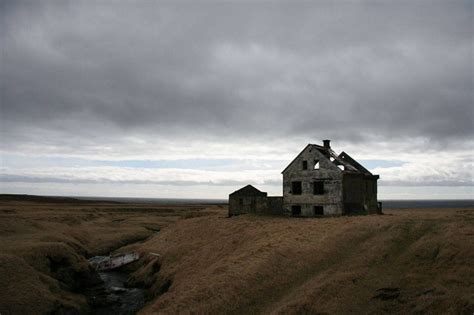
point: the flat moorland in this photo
(406, 261)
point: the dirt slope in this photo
(405, 261)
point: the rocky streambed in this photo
(113, 296)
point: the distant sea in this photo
(387, 204)
(165, 201)
(390, 204)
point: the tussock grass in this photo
(44, 244)
(407, 261)
(404, 262)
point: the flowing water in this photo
(117, 298)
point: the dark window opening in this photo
(318, 188)
(296, 188)
(241, 202)
(318, 210)
(295, 210)
(305, 165)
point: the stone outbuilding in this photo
(317, 182)
(251, 200)
(247, 200)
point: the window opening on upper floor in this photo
(318, 188)
(316, 164)
(296, 188)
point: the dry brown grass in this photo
(406, 261)
(44, 244)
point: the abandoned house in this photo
(317, 182)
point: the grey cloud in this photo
(347, 71)
(11, 178)
(441, 183)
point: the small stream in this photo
(117, 299)
(113, 296)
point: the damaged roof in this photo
(349, 164)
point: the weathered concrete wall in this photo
(247, 204)
(328, 172)
(255, 204)
(275, 205)
(353, 193)
(360, 193)
(248, 199)
(370, 199)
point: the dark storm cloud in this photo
(347, 70)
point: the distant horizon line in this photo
(198, 198)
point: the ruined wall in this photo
(371, 195)
(329, 173)
(353, 188)
(275, 205)
(327, 185)
(247, 204)
(360, 194)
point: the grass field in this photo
(406, 261)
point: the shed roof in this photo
(248, 190)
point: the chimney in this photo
(327, 144)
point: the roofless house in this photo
(317, 182)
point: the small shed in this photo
(247, 200)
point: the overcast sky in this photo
(196, 98)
